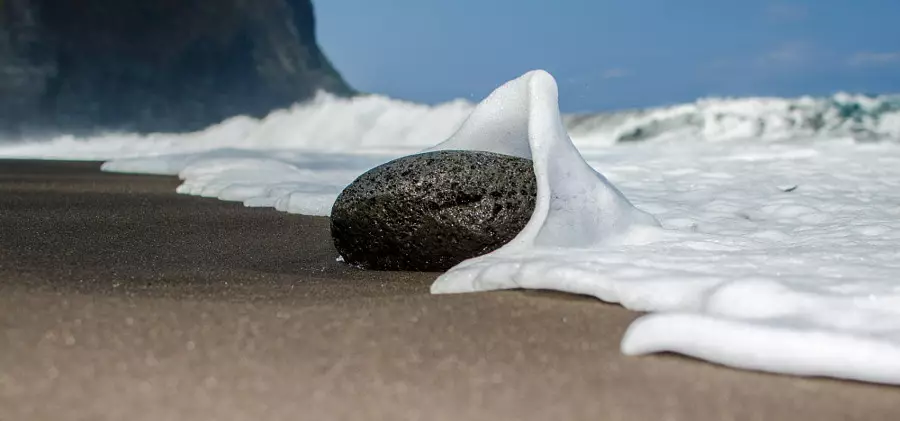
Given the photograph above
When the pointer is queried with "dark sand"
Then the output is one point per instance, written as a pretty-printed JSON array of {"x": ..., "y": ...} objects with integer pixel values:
[{"x": 120, "y": 300}]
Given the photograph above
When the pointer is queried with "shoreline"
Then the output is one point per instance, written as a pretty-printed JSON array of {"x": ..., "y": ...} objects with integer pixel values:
[{"x": 120, "y": 299}]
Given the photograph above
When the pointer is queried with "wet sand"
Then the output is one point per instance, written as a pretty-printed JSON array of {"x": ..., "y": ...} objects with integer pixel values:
[{"x": 120, "y": 300}]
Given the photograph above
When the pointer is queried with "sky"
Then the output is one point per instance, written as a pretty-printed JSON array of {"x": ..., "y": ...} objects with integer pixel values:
[{"x": 614, "y": 54}]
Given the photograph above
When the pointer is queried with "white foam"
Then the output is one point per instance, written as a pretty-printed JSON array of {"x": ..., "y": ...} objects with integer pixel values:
[
  {"x": 291, "y": 181},
  {"x": 576, "y": 207},
  {"x": 743, "y": 273},
  {"x": 795, "y": 299}
]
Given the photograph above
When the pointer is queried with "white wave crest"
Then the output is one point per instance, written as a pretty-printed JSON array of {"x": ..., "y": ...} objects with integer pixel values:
[
  {"x": 842, "y": 116},
  {"x": 376, "y": 123}
]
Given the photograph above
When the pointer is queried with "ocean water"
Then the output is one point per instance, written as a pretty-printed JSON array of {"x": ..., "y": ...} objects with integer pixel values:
[{"x": 759, "y": 233}]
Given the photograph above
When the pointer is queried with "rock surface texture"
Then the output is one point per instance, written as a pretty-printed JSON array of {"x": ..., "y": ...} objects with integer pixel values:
[
  {"x": 155, "y": 65},
  {"x": 431, "y": 211}
]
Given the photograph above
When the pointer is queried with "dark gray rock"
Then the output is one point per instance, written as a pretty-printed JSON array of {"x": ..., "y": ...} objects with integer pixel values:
[
  {"x": 155, "y": 65},
  {"x": 430, "y": 211}
]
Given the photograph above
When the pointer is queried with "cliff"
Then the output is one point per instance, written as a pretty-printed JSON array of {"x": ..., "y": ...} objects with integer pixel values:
[{"x": 155, "y": 65}]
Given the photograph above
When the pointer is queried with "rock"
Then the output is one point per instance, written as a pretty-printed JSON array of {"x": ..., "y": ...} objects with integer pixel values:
[
  {"x": 156, "y": 65},
  {"x": 430, "y": 211}
]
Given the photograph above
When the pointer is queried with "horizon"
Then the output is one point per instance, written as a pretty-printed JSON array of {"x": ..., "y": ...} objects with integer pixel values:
[{"x": 437, "y": 52}]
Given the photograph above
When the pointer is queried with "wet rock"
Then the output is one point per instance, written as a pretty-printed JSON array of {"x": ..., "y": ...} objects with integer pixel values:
[{"x": 430, "y": 211}]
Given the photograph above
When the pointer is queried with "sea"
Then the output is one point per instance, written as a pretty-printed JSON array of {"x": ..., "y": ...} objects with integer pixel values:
[{"x": 757, "y": 233}]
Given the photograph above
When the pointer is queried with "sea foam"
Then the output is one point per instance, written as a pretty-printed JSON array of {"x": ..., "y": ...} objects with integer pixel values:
[{"x": 586, "y": 238}]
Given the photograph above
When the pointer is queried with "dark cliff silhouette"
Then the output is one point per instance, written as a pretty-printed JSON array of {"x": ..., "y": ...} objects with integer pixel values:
[{"x": 155, "y": 65}]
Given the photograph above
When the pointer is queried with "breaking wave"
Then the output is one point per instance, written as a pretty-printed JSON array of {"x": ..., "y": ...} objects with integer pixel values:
[
  {"x": 857, "y": 117},
  {"x": 377, "y": 123}
]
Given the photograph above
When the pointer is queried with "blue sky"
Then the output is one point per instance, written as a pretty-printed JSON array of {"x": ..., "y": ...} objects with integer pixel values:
[{"x": 614, "y": 54}]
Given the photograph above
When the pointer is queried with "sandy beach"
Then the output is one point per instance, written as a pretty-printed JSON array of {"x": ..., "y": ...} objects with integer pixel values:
[{"x": 121, "y": 300}]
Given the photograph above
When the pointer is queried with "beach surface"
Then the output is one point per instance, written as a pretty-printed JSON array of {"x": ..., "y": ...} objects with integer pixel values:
[{"x": 120, "y": 299}]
